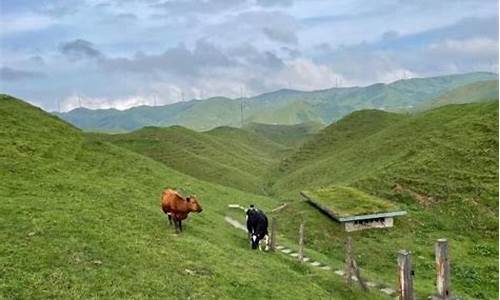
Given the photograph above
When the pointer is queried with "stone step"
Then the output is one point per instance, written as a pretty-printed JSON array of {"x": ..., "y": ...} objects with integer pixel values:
[
  {"x": 279, "y": 247},
  {"x": 286, "y": 250},
  {"x": 315, "y": 264},
  {"x": 388, "y": 291}
]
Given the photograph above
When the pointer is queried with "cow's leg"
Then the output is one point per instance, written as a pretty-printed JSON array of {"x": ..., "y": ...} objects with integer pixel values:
[
  {"x": 180, "y": 225},
  {"x": 266, "y": 239},
  {"x": 176, "y": 224},
  {"x": 169, "y": 219}
]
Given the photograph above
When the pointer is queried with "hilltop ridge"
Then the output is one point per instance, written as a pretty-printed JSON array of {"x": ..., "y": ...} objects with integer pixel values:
[{"x": 285, "y": 107}]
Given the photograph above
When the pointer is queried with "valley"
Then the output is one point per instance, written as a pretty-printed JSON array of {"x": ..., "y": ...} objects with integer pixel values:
[{"x": 81, "y": 213}]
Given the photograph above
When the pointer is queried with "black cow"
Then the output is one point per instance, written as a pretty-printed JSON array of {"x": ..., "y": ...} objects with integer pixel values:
[{"x": 257, "y": 227}]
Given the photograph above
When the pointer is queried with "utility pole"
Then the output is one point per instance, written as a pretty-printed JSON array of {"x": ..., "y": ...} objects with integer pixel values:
[
  {"x": 241, "y": 105},
  {"x": 79, "y": 101}
]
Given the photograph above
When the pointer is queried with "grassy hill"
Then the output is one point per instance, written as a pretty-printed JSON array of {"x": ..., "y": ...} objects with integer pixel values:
[
  {"x": 286, "y": 107},
  {"x": 81, "y": 219},
  {"x": 469, "y": 93},
  {"x": 440, "y": 165},
  {"x": 288, "y": 135},
  {"x": 225, "y": 155}
]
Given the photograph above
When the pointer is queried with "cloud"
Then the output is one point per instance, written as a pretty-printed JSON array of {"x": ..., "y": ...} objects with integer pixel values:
[
  {"x": 177, "y": 60},
  {"x": 204, "y": 57},
  {"x": 181, "y": 7},
  {"x": 9, "y": 74},
  {"x": 79, "y": 49},
  {"x": 474, "y": 47},
  {"x": 267, "y": 3},
  {"x": 281, "y": 34},
  {"x": 74, "y": 101},
  {"x": 214, "y": 47},
  {"x": 18, "y": 24}
]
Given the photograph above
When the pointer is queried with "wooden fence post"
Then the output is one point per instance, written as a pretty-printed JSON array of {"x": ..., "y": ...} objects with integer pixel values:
[
  {"x": 405, "y": 288},
  {"x": 273, "y": 234},
  {"x": 443, "y": 270},
  {"x": 348, "y": 261},
  {"x": 301, "y": 242}
]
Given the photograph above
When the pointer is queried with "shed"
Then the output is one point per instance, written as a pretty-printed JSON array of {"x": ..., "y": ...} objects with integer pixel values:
[{"x": 353, "y": 208}]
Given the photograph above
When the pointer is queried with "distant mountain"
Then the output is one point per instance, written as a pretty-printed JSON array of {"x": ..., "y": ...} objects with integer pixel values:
[
  {"x": 469, "y": 93},
  {"x": 286, "y": 107}
]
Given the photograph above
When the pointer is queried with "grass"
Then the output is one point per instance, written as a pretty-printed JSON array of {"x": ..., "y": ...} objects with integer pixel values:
[
  {"x": 224, "y": 155},
  {"x": 80, "y": 219},
  {"x": 441, "y": 166},
  {"x": 288, "y": 135},
  {"x": 473, "y": 92},
  {"x": 347, "y": 201}
]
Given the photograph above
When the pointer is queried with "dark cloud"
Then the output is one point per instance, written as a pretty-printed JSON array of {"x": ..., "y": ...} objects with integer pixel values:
[
  {"x": 9, "y": 74},
  {"x": 79, "y": 49},
  {"x": 290, "y": 52},
  {"x": 390, "y": 35},
  {"x": 37, "y": 59},
  {"x": 284, "y": 35},
  {"x": 184, "y": 62},
  {"x": 251, "y": 57},
  {"x": 178, "y": 60}
]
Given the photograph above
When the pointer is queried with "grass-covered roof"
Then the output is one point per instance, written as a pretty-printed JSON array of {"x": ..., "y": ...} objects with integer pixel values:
[{"x": 345, "y": 201}]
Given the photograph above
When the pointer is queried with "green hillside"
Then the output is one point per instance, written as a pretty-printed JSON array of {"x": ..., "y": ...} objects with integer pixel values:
[
  {"x": 81, "y": 219},
  {"x": 224, "y": 155},
  {"x": 286, "y": 107},
  {"x": 469, "y": 93},
  {"x": 289, "y": 135},
  {"x": 440, "y": 165}
]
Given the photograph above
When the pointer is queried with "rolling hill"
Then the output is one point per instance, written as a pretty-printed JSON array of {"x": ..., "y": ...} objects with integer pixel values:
[
  {"x": 225, "y": 155},
  {"x": 80, "y": 211},
  {"x": 469, "y": 93},
  {"x": 286, "y": 107},
  {"x": 81, "y": 219},
  {"x": 288, "y": 135},
  {"x": 441, "y": 165}
]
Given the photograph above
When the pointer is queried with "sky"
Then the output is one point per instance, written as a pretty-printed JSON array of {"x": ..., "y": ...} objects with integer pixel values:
[{"x": 61, "y": 54}]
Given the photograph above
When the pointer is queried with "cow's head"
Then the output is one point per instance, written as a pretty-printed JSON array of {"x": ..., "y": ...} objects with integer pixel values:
[{"x": 193, "y": 204}]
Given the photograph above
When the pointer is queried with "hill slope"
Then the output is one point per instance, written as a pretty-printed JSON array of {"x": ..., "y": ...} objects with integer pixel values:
[
  {"x": 440, "y": 165},
  {"x": 230, "y": 156},
  {"x": 289, "y": 135},
  {"x": 286, "y": 107},
  {"x": 469, "y": 93},
  {"x": 81, "y": 219}
]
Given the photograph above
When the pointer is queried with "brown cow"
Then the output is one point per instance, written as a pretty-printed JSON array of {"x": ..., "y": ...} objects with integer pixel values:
[{"x": 178, "y": 207}]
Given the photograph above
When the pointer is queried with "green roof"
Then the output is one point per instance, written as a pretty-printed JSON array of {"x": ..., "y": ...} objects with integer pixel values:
[{"x": 346, "y": 203}]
